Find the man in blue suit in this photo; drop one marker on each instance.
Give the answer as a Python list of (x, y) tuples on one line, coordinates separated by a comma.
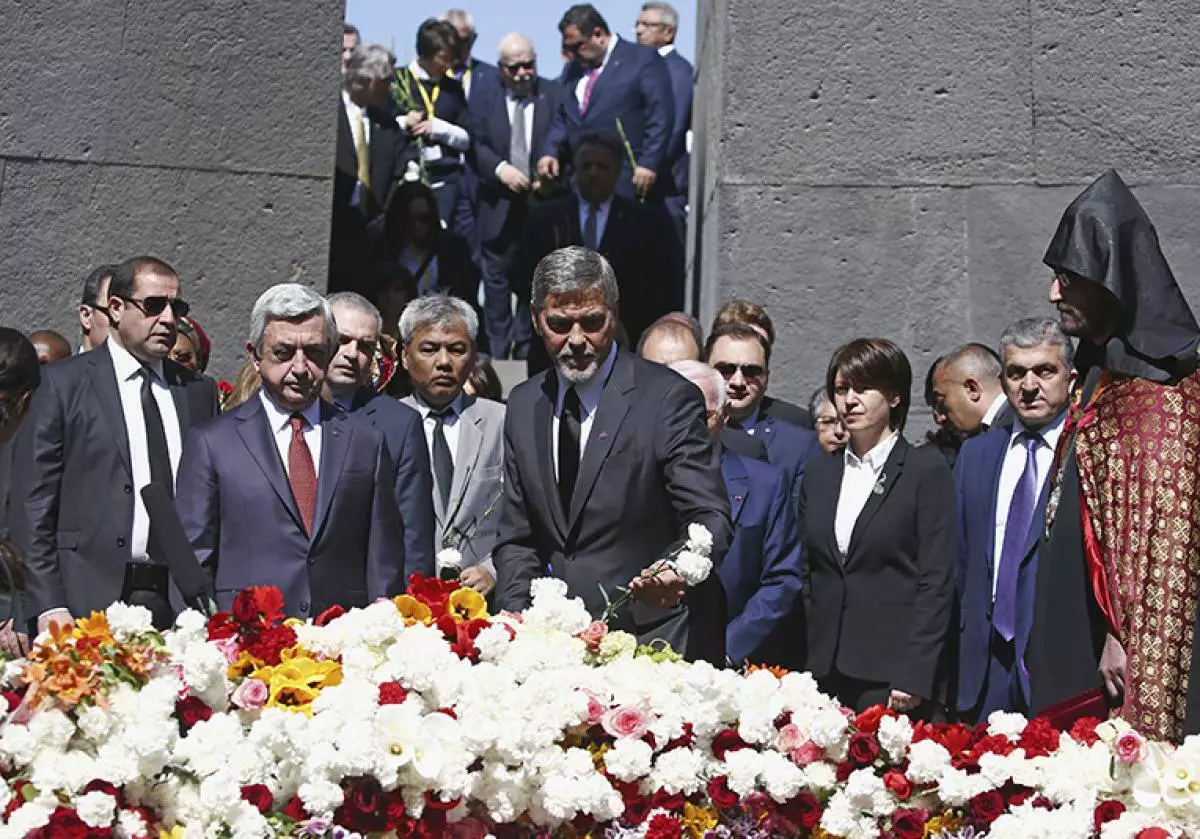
[(1003, 480), (614, 80), (763, 569), (284, 490), (509, 122), (742, 356)]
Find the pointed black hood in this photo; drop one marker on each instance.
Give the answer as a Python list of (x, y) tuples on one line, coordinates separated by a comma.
[(1105, 236)]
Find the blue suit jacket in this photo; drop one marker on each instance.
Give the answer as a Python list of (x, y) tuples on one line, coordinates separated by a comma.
[(977, 481), (763, 569), (682, 74), (239, 513), (789, 447), (634, 87)]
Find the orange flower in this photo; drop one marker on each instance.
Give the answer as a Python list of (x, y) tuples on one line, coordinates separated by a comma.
[(412, 610), (94, 626)]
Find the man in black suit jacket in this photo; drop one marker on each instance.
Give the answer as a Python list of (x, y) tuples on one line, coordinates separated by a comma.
[(359, 325), (361, 186), (628, 234), (509, 121), (103, 425), (607, 463)]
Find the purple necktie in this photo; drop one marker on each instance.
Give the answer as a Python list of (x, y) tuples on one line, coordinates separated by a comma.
[(592, 75), (1016, 530)]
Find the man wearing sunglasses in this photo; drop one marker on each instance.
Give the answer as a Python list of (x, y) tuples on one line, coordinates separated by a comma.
[(742, 356), (102, 426)]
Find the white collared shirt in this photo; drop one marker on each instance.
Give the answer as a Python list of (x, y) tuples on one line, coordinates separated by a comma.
[(581, 85), (129, 387), (750, 423), (859, 478), (510, 102), (1010, 475), (280, 421), (990, 416), (601, 211), (589, 401), (449, 424)]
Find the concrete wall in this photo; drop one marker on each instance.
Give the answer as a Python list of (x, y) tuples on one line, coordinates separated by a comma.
[(897, 169), (199, 131)]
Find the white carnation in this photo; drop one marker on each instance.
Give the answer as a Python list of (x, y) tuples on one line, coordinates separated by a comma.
[(895, 735), (692, 566), (126, 621), (699, 538), (781, 778), (1008, 724), (679, 770), (927, 760), (96, 808), (448, 558), (629, 759), (827, 728), (320, 796), (742, 767)]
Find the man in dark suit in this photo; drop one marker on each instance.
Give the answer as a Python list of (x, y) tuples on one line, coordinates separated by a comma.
[(762, 571), (284, 490), (607, 463), (616, 81), (966, 387), (509, 121), (359, 325), (103, 425), (743, 357), (1002, 480), (628, 234)]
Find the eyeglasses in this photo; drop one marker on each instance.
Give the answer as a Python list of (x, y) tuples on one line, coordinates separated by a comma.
[(828, 422), (749, 371), (520, 65), (590, 322), (156, 305)]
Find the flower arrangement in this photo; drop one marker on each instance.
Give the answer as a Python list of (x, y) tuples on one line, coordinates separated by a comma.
[(425, 716)]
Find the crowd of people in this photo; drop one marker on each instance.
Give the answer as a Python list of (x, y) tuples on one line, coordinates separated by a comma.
[(1038, 552)]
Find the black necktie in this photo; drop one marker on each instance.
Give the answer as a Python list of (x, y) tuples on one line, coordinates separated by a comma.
[(156, 449), (568, 447), (443, 463)]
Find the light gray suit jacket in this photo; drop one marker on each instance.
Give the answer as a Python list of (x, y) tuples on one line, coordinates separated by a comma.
[(469, 522)]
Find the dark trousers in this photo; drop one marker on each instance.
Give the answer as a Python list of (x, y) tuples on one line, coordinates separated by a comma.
[(861, 694), (146, 585), (505, 329), (446, 189), (1000, 689)]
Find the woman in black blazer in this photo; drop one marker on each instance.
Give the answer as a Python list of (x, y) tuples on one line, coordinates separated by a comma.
[(879, 538)]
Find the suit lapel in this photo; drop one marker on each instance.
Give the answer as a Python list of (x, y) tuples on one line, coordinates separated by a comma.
[(335, 441), (541, 118), (613, 228), (1038, 523), (737, 486), (997, 453), (610, 72), (543, 414), (614, 405), (104, 384), (830, 496), (470, 442), (883, 488), (257, 436)]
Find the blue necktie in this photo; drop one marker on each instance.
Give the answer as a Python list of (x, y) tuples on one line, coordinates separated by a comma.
[(1020, 516)]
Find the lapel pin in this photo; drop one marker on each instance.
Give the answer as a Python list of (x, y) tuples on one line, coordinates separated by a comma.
[(603, 434), (878, 488)]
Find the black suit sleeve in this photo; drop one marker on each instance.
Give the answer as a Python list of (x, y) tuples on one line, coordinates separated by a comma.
[(198, 500), (414, 498), (515, 556), (388, 566)]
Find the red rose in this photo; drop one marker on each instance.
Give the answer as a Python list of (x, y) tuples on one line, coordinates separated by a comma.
[(295, 810), (362, 809), (1084, 731), (843, 771), (720, 794), (726, 740), (909, 824), (221, 625), (804, 810), (1152, 833), (868, 720), (270, 642), (663, 800), (636, 809), (191, 710), (1039, 738), (332, 613), (66, 824), (1107, 811), (435, 803), (259, 796), (395, 810), (986, 807), (392, 693), (898, 783), (864, 748), (664, 827), (245, 609)]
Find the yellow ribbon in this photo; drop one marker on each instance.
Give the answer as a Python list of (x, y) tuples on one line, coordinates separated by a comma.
[(430, 102)]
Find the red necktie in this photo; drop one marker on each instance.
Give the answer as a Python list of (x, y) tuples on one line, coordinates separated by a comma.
[(302, 475)]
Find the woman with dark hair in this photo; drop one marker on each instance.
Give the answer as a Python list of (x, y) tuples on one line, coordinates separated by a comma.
[(20, 375), (483, 381), (879, 538), (412, 236)]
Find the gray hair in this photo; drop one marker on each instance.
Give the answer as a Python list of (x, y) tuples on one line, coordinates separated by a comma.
[(459, 17), (355, 301), (820, 397), (978, 361), (670, 17), (515, 42), (573, 270), (293, 302), (1029, 332), (369, 63), (437, 310), (703, 377)]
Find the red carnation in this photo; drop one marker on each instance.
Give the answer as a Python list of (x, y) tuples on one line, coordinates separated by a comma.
[(664, 827), (1107, 811), (259, 796), (909, 824), (332, 613), (245, 609), (869, 719), (804, 810), (1039, 738), (864, 748), (295, 810), (270, 642), (1152, 833), (221, 625), (191, 710), (991, 744), (843, 771), (727, 740), (663, 800), (636, 809), (1084, 730), (898, 783), (683, 740), (270, 602), (720, 794), (66, 824), (392, 693), (986, 807)]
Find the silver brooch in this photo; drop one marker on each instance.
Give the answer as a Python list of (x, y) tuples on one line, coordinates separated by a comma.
[(878, 488)]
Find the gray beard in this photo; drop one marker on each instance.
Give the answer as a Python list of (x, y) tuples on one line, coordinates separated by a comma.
[(578, 377)]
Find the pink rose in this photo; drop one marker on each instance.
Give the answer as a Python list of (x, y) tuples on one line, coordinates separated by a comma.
[(789, 738), (596, 710), (806, 753), (625, 721), (250, 694), (594, 634), (228, 647), (1130, 747)]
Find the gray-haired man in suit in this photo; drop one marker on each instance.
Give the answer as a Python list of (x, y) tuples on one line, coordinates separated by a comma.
[(465, 434)]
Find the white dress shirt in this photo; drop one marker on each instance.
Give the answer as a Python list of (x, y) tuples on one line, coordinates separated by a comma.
[(589, 400), (996, 406), (602, 211), (1010, 475), (859, 479), (581, 85), (666, 49), (446, 133), (510, 102), (449, 424), (129, 387), (280, 421)]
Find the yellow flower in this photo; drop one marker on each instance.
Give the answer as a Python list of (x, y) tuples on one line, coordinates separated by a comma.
[(467, 604), (945, 823), (93, 626), (298, 680), (598, 752), (174, 833), (245, 665), (412, 610), (698, 820)]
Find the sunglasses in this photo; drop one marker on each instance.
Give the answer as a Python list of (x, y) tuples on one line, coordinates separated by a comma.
[(749, 371), (572, 49), (156, 305), (520, 65)]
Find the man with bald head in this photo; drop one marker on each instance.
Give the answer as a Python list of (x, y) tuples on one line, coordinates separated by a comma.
[(50, 346), (966, 388), (508, 123)]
